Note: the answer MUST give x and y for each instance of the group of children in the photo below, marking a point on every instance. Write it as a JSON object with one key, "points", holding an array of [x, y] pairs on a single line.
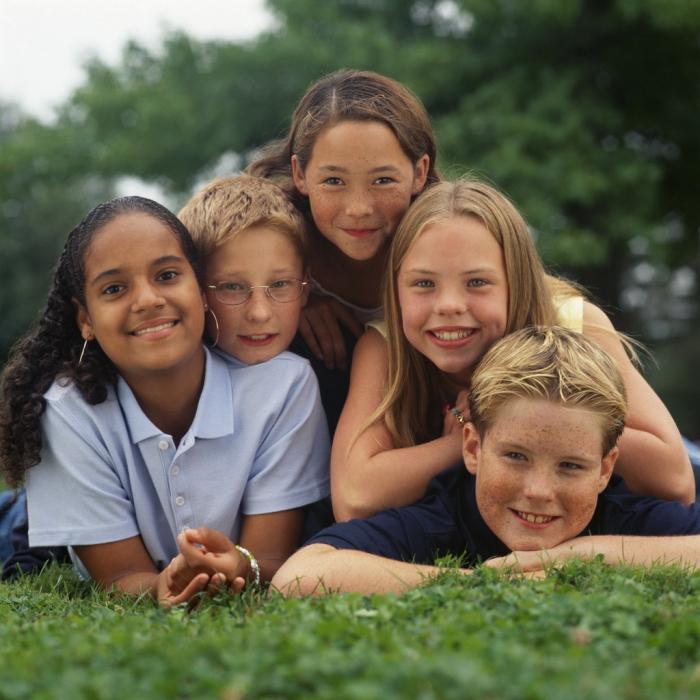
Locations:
{"points": [[168, 438]]}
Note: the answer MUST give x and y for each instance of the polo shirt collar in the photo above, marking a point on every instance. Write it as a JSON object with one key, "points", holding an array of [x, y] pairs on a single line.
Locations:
{"points": [[214, 415]]}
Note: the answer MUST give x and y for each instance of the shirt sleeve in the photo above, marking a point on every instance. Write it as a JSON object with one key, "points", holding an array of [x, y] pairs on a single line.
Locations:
{"points": [[291, 467], [75, 495], [418, 533], [627, 513]]}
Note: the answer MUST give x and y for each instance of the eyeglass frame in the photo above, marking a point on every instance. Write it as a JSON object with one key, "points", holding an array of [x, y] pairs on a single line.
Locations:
{"points": [[266, 287]]}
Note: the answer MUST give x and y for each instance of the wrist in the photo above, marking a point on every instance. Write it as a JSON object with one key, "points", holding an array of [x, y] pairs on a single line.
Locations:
{"points": [[252, 562]]}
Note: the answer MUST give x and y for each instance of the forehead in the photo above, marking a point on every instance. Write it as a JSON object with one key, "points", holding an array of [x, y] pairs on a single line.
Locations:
{"points": [[357, 141], [128, 237], [547, 427], [256, 245], [465, 237]]}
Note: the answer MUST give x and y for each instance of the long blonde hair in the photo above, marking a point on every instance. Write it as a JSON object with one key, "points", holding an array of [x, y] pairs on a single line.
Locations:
{"points": [[415, 387]]}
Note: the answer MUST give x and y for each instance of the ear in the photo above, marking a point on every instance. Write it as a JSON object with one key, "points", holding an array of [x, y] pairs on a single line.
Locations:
{"points": [[298, 177], [471, 447], [307, 289], [606, 468], [420, 174], [82, 318]]}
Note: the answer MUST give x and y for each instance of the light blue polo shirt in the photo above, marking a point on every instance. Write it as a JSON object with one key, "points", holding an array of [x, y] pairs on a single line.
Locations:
{"points": [[258, 444]]}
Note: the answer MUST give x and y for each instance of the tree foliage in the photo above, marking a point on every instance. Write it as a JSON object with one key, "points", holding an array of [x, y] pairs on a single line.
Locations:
{"points": [[583, 111]]}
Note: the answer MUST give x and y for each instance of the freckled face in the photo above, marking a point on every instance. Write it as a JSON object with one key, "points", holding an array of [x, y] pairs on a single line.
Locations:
{"points": [[260, 328], [539, 470], [453, 294], [143, 302], [359, 183]]}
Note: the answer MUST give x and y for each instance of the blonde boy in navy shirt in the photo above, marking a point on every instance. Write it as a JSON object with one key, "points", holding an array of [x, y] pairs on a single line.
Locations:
{"points": [[547, 407]]}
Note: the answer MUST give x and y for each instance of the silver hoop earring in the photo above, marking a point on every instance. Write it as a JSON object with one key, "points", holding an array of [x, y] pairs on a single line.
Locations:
{"points": [[82, 352], [216, 323]]}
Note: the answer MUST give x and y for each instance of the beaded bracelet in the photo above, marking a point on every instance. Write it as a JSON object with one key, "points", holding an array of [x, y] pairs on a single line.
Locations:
{"points": [[255, 568]]}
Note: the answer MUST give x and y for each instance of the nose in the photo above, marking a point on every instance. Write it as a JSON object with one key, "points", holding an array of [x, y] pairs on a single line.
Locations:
{"points": [[146, 295], [451, 300], [538, 486], [259, 306], [358, 204]]}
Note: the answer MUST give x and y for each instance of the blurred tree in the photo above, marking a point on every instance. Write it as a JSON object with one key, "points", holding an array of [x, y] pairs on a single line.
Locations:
{"points": [[584, 111], [45, 189]]}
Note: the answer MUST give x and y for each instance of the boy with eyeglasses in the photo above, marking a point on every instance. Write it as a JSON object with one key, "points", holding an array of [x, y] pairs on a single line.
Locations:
{"points": [[252, 244]]}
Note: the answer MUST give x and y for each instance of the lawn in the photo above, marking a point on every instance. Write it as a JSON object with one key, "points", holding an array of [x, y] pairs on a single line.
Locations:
{"points": [[586, 631]]}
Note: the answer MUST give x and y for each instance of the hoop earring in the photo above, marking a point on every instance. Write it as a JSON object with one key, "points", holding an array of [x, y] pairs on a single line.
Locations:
{"points": [[216, 323], [82, 352]]}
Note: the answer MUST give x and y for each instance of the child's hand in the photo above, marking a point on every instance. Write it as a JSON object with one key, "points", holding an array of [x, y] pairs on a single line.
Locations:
{"points": [[211, 551], [179, 582], [454, 417], [319, 325]]}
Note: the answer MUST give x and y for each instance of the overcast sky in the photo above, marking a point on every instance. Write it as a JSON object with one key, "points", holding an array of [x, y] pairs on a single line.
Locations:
{"points": [[43, 43]]}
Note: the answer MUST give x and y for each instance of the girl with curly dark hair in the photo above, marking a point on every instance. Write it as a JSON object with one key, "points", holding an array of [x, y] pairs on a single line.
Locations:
{"points": [[127, 430]]}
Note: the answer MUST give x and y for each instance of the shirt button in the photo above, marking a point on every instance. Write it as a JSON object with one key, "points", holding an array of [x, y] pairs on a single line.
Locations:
{"points": [[179, 501], [163, 445], [175, 470]]}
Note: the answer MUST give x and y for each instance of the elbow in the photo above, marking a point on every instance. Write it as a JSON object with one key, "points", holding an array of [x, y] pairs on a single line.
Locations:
{"points": [[302, 574], [351, 508]]}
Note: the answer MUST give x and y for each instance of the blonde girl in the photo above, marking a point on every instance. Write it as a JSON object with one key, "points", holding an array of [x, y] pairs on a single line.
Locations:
{"points": [[461, 273]]}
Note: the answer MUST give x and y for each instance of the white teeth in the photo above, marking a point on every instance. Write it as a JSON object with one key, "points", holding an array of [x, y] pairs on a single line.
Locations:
{"points": [[259, 337], [452, 335], [154, 329], [533, 518]]}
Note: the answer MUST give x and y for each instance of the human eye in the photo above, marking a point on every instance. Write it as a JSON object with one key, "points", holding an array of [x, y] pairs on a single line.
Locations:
{"points": [[168, 275], [570, 466], [477, 282], [384, 180], [281, 284], [113, 289], [231, 286], [423, 284], [333, 181], [515, 456]]}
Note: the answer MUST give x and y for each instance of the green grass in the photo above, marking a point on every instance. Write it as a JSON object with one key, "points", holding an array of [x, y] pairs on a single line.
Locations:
{"points": [[585, 631]]}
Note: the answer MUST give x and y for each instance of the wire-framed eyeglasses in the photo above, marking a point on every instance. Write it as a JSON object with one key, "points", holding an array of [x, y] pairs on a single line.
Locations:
{"points": [[235, 293]]}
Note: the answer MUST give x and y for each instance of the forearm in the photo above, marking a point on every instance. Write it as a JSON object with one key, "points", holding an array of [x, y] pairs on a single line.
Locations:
{"points": [[135, 583], [638, 550], [655, 466], [615, 549], [364, 485], [320, 569]]}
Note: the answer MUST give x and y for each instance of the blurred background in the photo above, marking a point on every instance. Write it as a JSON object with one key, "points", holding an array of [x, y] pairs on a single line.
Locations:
{"points": [[586, 112]]}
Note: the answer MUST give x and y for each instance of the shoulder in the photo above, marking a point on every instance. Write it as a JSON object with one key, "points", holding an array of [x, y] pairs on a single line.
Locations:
{"points": [[285, 367], [64, 397], [621, 512], [419, 532]]}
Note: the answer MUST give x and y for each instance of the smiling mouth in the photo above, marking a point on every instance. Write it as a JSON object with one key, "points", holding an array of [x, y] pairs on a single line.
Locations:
{"points": [[258, 338], [154, 329], [454, 335], [535, 518], [360, 232]]}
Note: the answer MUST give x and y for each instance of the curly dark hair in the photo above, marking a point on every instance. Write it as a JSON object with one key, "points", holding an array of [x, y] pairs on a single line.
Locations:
{"points": [[51, 348]]}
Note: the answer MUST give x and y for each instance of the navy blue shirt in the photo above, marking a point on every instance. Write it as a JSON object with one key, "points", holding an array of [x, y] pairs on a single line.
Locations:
{"points": [[447, 521]]}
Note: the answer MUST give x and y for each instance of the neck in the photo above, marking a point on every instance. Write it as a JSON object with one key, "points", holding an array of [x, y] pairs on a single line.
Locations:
{"points": [[170, 398], [358, 281]]}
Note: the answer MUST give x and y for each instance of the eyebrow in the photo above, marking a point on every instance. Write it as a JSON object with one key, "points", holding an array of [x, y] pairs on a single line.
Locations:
{"points": [[475, 271], [113, 271], [234, 271], [378, 169]]}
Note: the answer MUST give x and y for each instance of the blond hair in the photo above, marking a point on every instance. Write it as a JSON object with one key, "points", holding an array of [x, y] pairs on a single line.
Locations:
{"points": [[415, 387], [228, 205], [552, 363]]}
